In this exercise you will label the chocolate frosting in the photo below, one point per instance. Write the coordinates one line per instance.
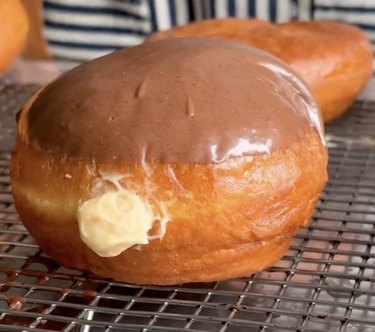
(183, 100)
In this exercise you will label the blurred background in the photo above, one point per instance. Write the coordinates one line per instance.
(62, 33)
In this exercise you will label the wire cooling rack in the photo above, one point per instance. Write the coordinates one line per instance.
(324, 283)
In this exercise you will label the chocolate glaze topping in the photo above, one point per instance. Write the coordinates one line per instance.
(181, 100)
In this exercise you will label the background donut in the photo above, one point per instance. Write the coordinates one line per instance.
(334, 59)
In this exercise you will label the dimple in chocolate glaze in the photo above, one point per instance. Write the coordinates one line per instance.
(183, 100)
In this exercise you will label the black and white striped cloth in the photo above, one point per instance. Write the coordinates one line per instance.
(81, 30)
(359, 12)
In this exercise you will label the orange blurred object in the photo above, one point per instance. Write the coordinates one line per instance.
(14, 26)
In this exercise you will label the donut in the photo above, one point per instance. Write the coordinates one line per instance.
(14, 26)
(176, 161)
(334, 59)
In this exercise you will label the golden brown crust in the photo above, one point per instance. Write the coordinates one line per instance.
(334, 59)
(227, 220)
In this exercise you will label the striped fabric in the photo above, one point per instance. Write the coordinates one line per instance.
(270, 10)
(82, 30)
(85, 29)
(360, 13)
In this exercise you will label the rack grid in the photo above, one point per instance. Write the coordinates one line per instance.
(325, 282)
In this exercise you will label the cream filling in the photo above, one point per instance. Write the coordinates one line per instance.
(118, 219)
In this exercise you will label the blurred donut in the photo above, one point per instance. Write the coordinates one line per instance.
(334, 59)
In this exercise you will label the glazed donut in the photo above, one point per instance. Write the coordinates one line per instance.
(334, 59)
(170, 162)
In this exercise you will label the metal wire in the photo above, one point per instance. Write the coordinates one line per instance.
(324, 283)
